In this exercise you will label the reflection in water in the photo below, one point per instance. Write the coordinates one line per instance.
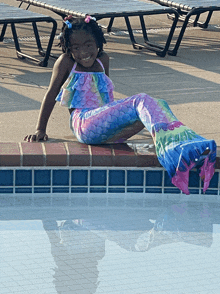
(179, 223)
(76, 251)
(77, 245)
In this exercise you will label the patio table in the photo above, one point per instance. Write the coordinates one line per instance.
(101, 9)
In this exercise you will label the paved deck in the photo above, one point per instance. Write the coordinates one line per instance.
(189, 82)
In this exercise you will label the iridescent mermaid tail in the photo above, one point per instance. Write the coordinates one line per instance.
(178, 148)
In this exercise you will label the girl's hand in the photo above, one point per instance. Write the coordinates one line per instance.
(38, 136)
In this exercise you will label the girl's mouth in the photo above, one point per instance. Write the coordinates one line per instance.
(86, 59)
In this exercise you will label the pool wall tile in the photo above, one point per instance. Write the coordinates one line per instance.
(153, 190)
(23, 178)
(116, 178)
(6, 178)
(167, 180)
(116, 190)
(60, 190)
(194, 179)
(79, 190)
(97, 190)
(135, 178)
(6, 190)
(42, 177)
(42, 190)
(98, 177)
(214, 181)
(79, 178)
(23, 190)
(60, 177)
(154, 178)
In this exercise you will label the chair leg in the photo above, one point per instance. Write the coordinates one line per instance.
(143, 28)
(46, 53)
(37, 38)
(44, 62)
(195, 22)
(173, 52)
(160, 50)
(3, 32)
(15, 37)
(134, 43)
(206, 23)
(109, 28)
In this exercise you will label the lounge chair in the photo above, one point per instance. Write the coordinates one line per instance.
(187, 9)
(101, 9)
(10, 15)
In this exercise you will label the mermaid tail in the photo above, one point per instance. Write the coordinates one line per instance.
(178, 148)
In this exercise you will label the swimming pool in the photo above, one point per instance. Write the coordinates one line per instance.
(48, 244)
(78, 219)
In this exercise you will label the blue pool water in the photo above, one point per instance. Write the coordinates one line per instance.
(170, 245)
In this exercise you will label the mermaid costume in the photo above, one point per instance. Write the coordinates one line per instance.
(97, 118)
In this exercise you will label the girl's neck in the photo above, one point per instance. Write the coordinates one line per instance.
(96, 67)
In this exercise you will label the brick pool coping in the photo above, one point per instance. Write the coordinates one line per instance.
(37, 154)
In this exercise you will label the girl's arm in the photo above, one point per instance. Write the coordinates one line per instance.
(61, 70)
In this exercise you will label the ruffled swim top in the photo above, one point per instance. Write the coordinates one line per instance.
(86, 89)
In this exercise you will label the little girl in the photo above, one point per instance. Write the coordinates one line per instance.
(80, 82)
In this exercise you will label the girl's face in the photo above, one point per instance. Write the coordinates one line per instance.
(84, 48)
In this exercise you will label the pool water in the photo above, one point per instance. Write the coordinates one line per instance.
(167, 246)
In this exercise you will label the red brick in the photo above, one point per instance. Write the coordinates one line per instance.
(101, 155)
(10, 154)
(147, 160)
(32, 154)
(124, 155)
(78, 154)
(56, 154)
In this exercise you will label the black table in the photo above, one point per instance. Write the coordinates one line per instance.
(101, 9)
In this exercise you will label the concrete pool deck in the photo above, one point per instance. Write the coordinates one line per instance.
(189, 82)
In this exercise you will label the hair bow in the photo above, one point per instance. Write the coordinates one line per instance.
(88, 18)
(66, 21)
(69, 25)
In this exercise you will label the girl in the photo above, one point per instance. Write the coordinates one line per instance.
(80, 81)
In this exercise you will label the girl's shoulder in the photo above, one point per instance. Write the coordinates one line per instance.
(64, 61)
(63, 65)
(104, 58)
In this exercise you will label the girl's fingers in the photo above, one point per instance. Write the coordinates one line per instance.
(37, 138)
(32, 138)
(45, 137)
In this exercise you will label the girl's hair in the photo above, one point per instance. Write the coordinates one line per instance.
(79, 23)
